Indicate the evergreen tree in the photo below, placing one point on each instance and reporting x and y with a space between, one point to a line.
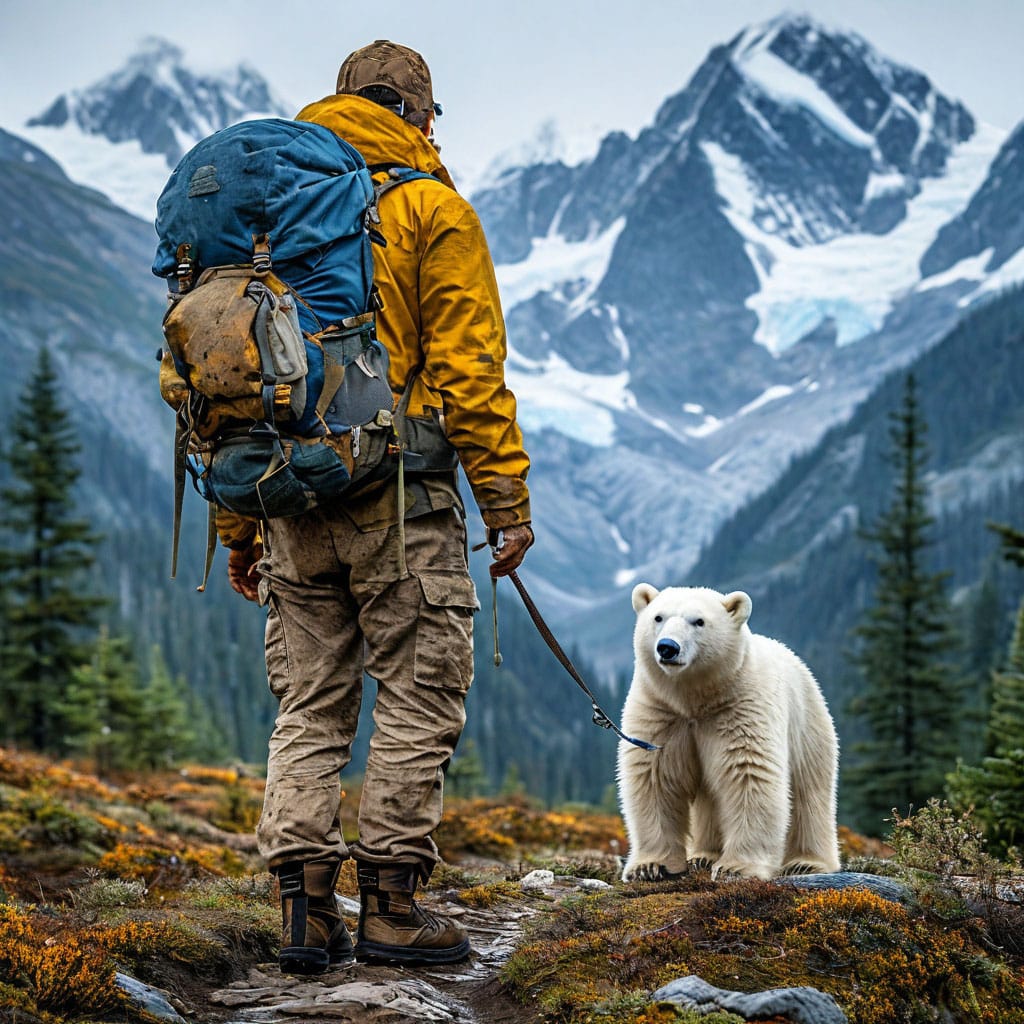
995 788
983 614
1012 543
168 737
466 775
44 552
909 699
104 709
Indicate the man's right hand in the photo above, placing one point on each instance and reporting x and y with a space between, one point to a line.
509 555
242 573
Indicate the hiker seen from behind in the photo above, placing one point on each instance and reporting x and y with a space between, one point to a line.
369 574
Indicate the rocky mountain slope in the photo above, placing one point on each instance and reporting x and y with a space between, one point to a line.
692 308
797 548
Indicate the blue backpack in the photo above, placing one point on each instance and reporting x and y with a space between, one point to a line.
272 362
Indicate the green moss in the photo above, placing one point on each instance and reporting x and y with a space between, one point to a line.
489 895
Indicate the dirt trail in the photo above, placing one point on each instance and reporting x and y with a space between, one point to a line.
467 993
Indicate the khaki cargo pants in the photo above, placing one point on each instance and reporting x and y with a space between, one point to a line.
338 603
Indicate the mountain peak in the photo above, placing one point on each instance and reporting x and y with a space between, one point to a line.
125 132
157 100
156 49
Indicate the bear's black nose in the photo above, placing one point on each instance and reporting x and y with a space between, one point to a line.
667 649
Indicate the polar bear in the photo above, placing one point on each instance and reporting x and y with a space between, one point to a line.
746 775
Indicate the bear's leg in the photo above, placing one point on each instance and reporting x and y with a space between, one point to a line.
812 844
656 817
705 846
751 792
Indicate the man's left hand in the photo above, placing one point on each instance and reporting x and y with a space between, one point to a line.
242 573
509 555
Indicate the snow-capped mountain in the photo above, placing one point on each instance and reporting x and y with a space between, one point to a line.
124 134
691 308
549 143
687 309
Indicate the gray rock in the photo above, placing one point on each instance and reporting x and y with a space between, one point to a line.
538 879
408 998
887 888
152 1000
800 1005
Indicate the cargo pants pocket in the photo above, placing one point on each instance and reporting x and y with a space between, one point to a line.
444 632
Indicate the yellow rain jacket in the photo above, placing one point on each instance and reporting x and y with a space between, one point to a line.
441 310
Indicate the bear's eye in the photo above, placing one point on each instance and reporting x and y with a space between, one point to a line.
698 622
657 618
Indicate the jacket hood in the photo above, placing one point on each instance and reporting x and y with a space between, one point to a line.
381 136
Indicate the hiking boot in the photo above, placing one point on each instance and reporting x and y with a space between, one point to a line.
313 935
394 928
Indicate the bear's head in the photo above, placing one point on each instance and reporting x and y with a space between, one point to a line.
690 629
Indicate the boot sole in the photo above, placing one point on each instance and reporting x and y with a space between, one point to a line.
376 952
303 960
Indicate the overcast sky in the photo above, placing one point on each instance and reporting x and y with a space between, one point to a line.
500 68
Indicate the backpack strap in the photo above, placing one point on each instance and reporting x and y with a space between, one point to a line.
182 436
397 175
211 544
269 383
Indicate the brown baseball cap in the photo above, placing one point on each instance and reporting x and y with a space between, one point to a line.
396 67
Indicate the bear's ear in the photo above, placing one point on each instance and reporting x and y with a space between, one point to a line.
643 595
738 605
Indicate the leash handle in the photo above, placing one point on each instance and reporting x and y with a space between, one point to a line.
599 716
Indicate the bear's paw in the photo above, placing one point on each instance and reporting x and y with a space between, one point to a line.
737 868
649 871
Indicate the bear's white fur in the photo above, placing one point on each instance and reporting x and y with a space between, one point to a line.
746 775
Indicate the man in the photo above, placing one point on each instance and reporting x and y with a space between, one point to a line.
354 587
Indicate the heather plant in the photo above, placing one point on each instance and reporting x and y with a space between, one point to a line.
944 856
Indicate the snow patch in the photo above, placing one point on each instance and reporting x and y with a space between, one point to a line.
708 426
854 278
879 185
787 86
620 541
557 396
553 261
772 394
124 173
1010 273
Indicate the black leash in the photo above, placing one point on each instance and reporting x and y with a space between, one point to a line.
599 717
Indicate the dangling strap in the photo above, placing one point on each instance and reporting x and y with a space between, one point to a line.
182 434
401 411
264 308
211 544
494 620
403 567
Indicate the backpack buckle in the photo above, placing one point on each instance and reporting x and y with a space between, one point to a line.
261 262
262 429
186 266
